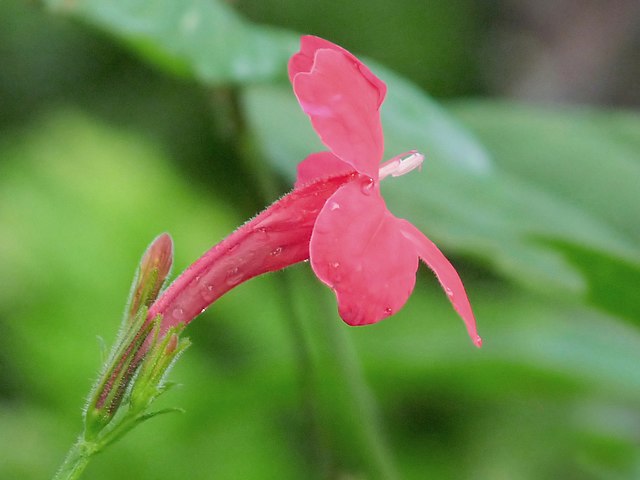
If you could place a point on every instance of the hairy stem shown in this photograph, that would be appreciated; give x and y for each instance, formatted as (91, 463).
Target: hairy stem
(76, 460)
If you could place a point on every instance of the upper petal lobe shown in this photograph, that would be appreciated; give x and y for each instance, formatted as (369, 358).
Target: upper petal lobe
(303, 62)
(320, 166)
(344, 109)
(359, 251)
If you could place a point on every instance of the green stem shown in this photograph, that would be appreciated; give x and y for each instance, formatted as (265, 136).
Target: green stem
(76, 460)
(81, 452)
(322, 455)
(344, 404)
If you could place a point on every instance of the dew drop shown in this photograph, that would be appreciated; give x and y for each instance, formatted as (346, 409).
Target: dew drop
(309, 211)
(336, 273)
(334, 206)
(367, 187)
(208, 291)
(178, 313)
(234, 276)
(448, 291)
(263, 233)
(276, 251)
(388, 311)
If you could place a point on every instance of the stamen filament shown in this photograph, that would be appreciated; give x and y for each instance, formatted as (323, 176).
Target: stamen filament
(401, 164)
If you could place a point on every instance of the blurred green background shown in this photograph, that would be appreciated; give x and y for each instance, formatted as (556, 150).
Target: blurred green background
(123, 119)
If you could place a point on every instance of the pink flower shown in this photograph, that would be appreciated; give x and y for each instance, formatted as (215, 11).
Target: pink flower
(335, 216)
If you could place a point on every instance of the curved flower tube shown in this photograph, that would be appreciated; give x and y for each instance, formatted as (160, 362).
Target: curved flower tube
(335, 216)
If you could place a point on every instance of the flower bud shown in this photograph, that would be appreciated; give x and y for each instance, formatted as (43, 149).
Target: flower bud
(153, 271)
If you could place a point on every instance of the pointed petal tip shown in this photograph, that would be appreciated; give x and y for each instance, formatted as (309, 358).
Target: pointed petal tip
(477, 341)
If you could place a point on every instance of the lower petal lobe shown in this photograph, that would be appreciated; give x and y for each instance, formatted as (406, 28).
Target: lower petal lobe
(446, 274)
(358, 250)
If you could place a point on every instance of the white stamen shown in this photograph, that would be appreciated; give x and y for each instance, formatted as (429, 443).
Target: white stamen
(398, 165)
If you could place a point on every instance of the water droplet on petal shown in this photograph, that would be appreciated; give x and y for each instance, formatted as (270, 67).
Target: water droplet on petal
(367, 187)
(208, 291)
(234, 276)
(178, 313)
(336, 273)
(263, 233)
(388, 311)
(334, 206)
(310, 211)
(276, 251)
(448, 291)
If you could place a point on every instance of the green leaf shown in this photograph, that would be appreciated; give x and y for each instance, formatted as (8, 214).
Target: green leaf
(586, 164)
(590, 159)
(147, 416)
(612, 282)
(204, 39)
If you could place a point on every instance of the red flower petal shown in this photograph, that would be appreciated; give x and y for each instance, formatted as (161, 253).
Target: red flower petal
(303, 62)
(358, 250)
(446, 275)
(320, 166)
(343, 106)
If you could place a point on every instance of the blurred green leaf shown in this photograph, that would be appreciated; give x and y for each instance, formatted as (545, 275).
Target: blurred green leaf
(204, 39)
(581, 160)
(585, 157)
(612, 281)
